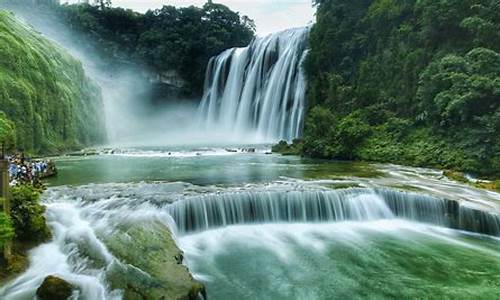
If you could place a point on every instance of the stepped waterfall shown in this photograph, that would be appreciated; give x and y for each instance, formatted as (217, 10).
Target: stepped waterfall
(355, 204)
(258, 92)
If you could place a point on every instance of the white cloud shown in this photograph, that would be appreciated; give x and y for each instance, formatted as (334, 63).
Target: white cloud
(269, 15)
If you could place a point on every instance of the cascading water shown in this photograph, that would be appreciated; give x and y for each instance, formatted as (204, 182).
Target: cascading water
(257, 93)
(87, 220)
(222, 209)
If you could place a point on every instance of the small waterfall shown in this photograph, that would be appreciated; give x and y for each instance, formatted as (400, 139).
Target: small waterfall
(258, 92)
(221, 209)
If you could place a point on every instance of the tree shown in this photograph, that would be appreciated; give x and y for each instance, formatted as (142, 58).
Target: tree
(414, 82)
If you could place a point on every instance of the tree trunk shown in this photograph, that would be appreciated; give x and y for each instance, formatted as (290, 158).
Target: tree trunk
(4, 193)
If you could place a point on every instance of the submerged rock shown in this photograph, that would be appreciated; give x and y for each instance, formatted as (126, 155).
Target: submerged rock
(54, 288)
(150, 264)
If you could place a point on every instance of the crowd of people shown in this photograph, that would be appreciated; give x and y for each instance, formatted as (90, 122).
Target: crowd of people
(24, 170)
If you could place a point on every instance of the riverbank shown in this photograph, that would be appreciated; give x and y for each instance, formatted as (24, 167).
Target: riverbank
(144, 260)
(26, 170)
(25, 212)
(488, 183)
(28, 221)
(135, 257)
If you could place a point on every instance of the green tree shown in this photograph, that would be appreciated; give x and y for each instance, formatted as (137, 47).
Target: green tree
(410, 81)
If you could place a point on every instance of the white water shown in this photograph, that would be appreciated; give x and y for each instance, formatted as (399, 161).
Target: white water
(277, 237)
(187, 152)
(344, 260)
(81, 216)
(75, 254)
(222, 209)
(257, 93)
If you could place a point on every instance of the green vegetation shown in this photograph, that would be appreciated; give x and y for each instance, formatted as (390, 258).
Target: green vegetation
(457, 176)
(460, 177)
(6, 229)
(7, 132)
(47, 104)
(489, 185)
(25, 227)
(27, 214)
(163, 40)
(411, 82)
(285, 149)
(151, 265)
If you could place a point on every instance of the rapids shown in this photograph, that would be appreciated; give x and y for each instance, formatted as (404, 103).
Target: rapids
(254, 225)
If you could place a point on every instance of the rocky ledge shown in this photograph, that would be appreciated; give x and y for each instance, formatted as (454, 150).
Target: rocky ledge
(150, 264)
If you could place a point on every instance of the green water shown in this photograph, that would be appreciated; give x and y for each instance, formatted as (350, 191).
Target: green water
(344, 262)
(200, 170)
(383, 259)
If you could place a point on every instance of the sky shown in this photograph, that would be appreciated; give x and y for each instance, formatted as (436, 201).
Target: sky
(269, 15)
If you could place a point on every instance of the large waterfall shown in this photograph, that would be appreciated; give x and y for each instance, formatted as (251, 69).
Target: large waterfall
(258, 92)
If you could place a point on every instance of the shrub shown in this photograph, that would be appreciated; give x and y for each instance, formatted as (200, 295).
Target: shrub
(28, 214)
(6, 230)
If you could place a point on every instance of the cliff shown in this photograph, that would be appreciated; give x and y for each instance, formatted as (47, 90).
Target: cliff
(45, 93)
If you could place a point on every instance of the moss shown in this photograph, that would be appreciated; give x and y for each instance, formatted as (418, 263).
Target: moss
(489, 185)
(7, 132)
(454, 175)
(151, 264)
(493, 185)
(6, 229)
(44, 93)
(17, 263)
(54, 288)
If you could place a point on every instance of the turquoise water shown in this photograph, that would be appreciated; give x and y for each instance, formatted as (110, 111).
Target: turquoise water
(204, 169)
(346, 260)
(375, 260)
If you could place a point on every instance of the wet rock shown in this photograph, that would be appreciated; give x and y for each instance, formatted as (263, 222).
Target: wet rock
(150, 263)
(54, 288)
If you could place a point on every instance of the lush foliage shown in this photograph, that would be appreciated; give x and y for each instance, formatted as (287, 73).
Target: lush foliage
(27, 214)
(414, 82)
(44, 93)
(295, 148)
(166, 40)
(6, 229)
(7, 132)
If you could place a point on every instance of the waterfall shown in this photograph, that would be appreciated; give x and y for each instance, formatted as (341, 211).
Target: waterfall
(258, 92)
(221, 209)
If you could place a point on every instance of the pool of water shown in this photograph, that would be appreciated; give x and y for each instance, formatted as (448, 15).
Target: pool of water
(382, 259)
(380, 256)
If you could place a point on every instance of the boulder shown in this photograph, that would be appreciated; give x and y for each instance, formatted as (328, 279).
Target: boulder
(149, 263)
(54, 288)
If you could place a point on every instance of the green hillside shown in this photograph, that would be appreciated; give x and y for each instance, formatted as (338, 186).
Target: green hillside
(47, 104)
(411, 82)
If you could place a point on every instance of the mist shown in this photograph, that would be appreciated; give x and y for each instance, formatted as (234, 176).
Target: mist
(263, 103)
(133, 117)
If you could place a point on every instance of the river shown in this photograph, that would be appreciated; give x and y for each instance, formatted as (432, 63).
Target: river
(255, 225)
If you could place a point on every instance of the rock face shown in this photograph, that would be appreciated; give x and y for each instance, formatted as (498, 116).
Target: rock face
(45, 93)
(150, 264)
(54, 288)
